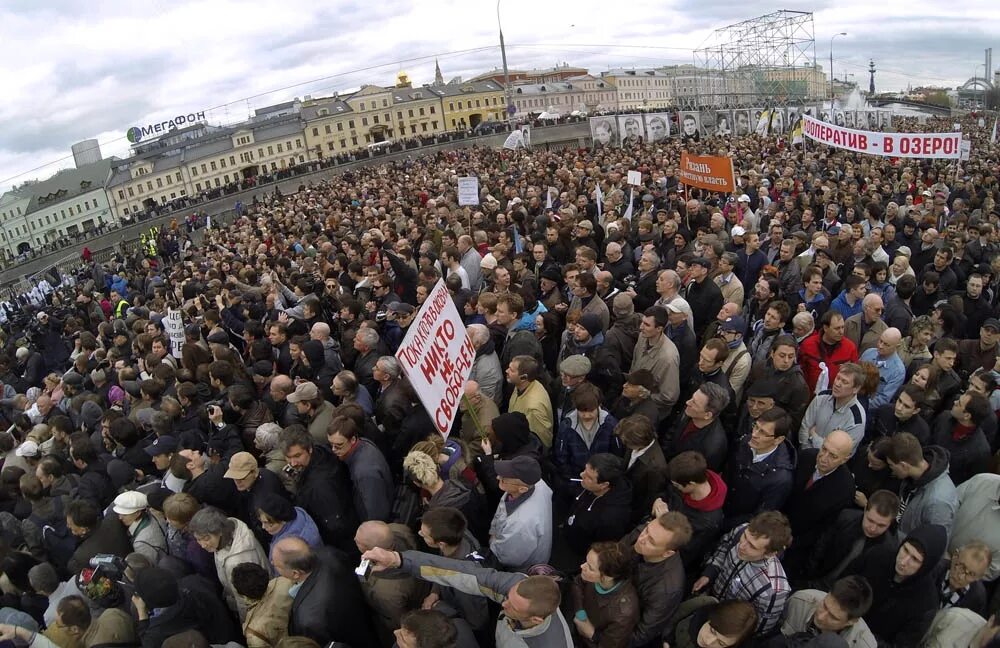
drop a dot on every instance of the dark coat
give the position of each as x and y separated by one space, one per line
391 406
198 608
840 548
648 476
706 300
660 586
974 599
811 508
331 587
212 488
710 441
706 518
645 292
883 423
901 612
324 491
756 487
110 537
595 519
968 456
95 485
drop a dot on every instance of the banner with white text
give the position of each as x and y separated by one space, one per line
905 145
436 354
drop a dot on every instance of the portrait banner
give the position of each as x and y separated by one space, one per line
436 355
907 145
657 127
708 172
603 131
631 130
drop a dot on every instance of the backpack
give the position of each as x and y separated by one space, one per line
57 540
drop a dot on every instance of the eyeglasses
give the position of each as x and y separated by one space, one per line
759 431
962 570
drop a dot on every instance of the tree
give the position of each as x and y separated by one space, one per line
938 98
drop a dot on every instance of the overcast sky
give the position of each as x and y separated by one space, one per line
75 70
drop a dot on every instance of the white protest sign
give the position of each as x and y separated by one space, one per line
956 126
436 354
468 190
966 150
904 145
173 324
635 178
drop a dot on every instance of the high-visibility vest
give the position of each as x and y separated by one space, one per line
120 309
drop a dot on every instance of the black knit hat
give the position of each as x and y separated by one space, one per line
157 587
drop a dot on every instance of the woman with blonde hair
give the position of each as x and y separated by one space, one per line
915 346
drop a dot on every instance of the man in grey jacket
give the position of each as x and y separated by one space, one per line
926 493
521 531
529 616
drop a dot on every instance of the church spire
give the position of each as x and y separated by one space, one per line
438 78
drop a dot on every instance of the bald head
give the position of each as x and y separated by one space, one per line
872 307
729 309
836 450
320 331
888 342
373 533
293 559
283 384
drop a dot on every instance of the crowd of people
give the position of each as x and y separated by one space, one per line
697 420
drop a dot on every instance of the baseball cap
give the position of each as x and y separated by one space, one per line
489 262
992 323
400 308
161 446
72 379
679 305
744 198
735 323
41 315
130 502
586 224
738 231
241 466
305 391
523 468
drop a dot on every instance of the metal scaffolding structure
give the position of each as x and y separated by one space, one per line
767 60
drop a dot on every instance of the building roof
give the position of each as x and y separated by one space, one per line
634 72
408 94
332 106
68 184
552 87
464 88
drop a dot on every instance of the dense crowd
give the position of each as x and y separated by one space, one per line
759 419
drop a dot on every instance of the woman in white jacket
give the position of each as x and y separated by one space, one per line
232 543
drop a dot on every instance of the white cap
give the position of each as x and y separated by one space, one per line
27 449
738 230
744 198
130 502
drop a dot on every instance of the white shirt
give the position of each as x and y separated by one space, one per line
761 457
638 453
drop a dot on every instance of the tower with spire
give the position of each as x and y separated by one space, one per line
871 77
438 77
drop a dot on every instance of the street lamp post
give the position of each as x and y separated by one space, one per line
831 66
506 73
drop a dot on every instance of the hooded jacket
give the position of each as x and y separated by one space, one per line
514 438
706 518
621 338
902 610
931 498
487 372
302 527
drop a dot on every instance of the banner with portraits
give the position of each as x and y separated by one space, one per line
630 129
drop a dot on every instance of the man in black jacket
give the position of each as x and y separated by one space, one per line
702 294
760 470
901 416
324 488
823 487
658 573
906 595
699 429
852 535
94 484
327 605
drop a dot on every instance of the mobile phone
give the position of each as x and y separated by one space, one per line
364 568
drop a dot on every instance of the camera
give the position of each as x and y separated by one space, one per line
110 566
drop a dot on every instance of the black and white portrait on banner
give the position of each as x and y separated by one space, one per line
849 118
657 127
707 123
631 130
741 122
603 131
861 120
794 115
723 122
840 118
777 121
690 125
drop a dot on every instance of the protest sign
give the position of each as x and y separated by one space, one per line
468 190
436 354
173 324
965 150
635 178
905 145
707 172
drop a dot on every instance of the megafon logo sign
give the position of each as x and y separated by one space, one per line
138 133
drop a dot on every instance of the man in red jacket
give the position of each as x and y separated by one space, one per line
827 345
